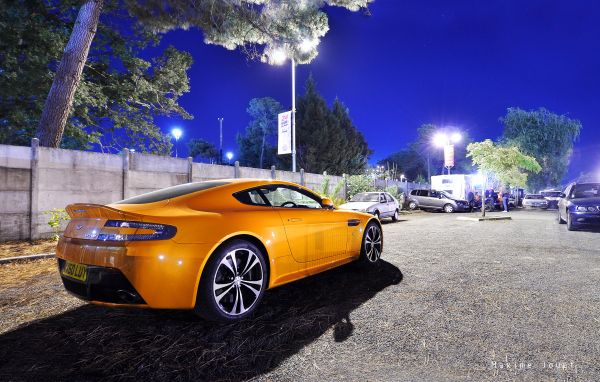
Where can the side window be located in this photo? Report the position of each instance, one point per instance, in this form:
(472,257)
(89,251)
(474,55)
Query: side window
(415,192)
(281,196)
(381,198)
(389,198)
(251,197)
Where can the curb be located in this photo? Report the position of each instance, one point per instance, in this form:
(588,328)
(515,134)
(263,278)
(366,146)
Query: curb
(18,259)
(480,219)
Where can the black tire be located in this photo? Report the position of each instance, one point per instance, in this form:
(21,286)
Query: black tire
(560,219)
(372,244)
(570,225)
(226,303)
(395,216)
(449,208)
(412,206)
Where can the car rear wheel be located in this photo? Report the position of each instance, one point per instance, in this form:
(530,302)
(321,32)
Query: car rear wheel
(232,283)
(570,225)
(372,244)
(395,216)
(560,219)
(449,208)
(412,206)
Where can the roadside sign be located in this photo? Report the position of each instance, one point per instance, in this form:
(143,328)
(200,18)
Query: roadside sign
(284,125)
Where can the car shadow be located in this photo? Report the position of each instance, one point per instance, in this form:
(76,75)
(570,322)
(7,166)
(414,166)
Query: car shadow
(98,343)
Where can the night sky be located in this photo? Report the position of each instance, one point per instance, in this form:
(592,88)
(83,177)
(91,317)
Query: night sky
(450,63)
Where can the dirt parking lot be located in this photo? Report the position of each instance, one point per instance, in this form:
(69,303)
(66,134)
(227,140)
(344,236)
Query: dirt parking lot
(453,300)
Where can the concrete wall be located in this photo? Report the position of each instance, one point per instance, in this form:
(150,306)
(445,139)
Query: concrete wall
(34,180)
(15,181)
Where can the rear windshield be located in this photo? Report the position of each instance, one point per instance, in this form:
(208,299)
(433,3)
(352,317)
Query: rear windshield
(533,197)
(172,192)
(551,194)
(365,197)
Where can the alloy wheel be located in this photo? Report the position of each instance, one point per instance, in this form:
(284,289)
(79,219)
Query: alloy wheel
(373,243)
(238,281)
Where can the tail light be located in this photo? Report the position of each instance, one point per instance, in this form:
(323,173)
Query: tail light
(121,230)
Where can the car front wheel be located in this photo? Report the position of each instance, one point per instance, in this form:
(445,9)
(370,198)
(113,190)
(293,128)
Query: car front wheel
(570,225)
(412,206)
(449,208)
(395,216)
(372,244)
(233,282)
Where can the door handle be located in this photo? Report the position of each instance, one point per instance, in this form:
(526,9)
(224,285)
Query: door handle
(353,222)
(294,220)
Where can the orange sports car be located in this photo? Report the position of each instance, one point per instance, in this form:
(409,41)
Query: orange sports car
(212,246)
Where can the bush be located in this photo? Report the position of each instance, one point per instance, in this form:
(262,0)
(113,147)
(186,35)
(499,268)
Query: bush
(335,194)
(57,216)
(359,183)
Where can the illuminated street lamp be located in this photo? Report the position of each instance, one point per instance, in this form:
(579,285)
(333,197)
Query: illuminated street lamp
(447,142)
(176,133)
(278,57)
(229,156)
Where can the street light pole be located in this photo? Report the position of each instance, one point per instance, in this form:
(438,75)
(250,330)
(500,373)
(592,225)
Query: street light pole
(220,140)
(293,114)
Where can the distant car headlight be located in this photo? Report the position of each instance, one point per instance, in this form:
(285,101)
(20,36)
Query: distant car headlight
(581,209)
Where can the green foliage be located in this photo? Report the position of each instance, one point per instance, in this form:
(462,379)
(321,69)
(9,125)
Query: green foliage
(257,26)
(547,137)
(359,183)
(57,216)
(326,140)
(119,95)
(257,144)
(502,165)
(335,194)
(203,149)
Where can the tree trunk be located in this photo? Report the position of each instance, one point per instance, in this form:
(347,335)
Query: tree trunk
(262,148)
(60,98)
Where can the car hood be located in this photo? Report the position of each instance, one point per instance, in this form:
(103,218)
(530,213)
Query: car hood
(586,202)
(357,205)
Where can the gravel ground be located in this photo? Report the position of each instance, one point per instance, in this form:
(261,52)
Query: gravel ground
(24,248)
(453,300)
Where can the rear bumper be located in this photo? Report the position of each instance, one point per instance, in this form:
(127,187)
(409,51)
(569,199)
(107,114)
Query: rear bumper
(103,285)
(164,274)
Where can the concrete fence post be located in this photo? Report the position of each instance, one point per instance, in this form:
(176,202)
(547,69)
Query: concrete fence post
(302,177)
(126,166)
(273,172)
(236,169)
(34,189)
(190,169)
(345,188)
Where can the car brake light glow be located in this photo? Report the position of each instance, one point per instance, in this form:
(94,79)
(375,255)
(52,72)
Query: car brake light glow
(157,231)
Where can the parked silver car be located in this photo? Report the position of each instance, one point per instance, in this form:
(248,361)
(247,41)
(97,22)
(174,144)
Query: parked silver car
(535,201)
(380,204)
(436,200)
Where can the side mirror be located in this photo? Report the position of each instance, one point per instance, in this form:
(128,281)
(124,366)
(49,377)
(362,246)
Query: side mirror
(327,203)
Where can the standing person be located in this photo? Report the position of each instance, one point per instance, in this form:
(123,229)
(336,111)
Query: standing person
(505,196)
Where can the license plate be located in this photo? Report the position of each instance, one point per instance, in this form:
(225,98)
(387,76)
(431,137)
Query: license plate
(75,271)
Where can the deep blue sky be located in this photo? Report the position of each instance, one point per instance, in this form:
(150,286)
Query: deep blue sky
(459,63)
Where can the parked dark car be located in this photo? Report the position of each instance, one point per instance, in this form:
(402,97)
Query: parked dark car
(436,200)
(553,197)
(579,206)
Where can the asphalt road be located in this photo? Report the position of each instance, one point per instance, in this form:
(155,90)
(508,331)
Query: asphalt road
(453,300)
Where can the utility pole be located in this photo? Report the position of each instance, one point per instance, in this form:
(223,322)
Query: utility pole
(293,114)
(220,140)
